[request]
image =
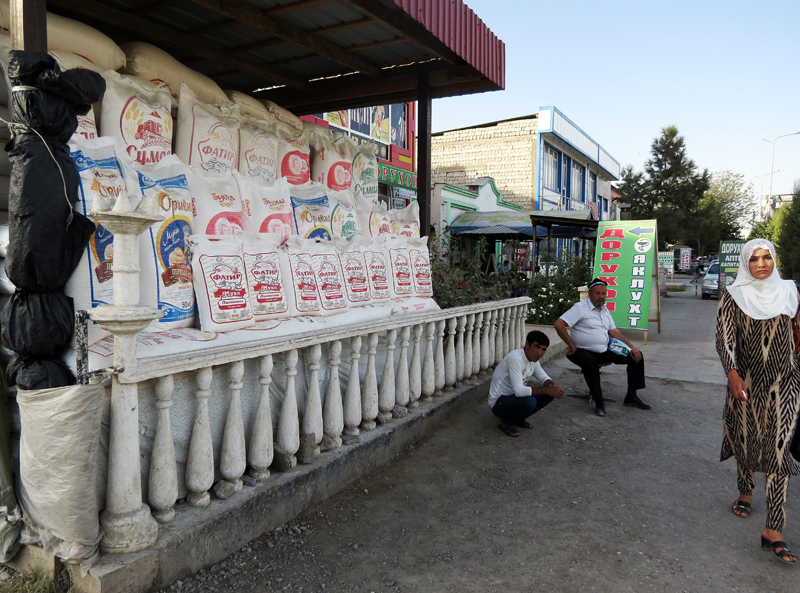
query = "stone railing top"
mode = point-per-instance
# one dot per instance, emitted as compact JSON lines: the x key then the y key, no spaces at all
{"x":151,"y":367}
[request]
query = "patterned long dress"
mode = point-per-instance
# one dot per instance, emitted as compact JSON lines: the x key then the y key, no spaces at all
{"x":758,"y":432}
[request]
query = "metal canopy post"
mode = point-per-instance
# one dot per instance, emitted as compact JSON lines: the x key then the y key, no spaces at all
{"x":424,"y":154}
{"x":29,"y":25}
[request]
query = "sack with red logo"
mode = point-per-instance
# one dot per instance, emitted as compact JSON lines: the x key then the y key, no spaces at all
{"x":299,"y":279}
{"x":294,"y":154}
{"x":311,"y":211}
{"x":375,"y":220}
{"x":329,"y":276}
{"x":266,"y":207}
{"x":165,"y":280}
{"x":354,"y":268}
{"x":420,"y":259}
{"x":208,"y":135}
{"x":345,"y":223}
{"x":258,"y":149}
{"x":378,"y":269}
{"x":101,"y":183}
{"x":137,"y":115}
{"x":405,"y":222}
{"x":216,"y":202}
{"x":223,"y":295}
{"x":264,"y":277}
{"x":365,"y":171}
{"x":332,"y":165}
{"x":401,"y":284}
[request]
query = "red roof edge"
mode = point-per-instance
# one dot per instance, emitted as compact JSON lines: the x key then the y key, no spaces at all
{"x":456,"y":25}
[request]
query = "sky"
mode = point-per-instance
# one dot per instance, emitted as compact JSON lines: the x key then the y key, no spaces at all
{"x":725,"y":72}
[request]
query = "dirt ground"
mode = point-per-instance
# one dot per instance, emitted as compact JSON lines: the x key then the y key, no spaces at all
{"x":636,"y":501}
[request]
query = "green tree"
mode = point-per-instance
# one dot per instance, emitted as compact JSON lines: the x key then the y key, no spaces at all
{"x":763,"y":229}
{"x":787,"y":236}
{"x":725,"y":209}
{"x":670,"y":189}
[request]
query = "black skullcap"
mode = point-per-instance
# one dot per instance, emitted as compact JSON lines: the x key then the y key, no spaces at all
{"x":597,"y":282}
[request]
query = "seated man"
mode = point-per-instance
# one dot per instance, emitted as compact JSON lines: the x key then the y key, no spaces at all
{"x":590,"y":327}
{"x":509,"y":398}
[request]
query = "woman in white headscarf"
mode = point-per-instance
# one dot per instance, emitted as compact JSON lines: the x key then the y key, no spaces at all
{"x":755,"y":344}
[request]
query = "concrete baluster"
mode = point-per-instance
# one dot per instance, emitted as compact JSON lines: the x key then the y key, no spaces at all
{"x":468,"y":341}
{"x":352,"y":397}
{"x":415,"y":371}
{"x":401,"y":383}
{"x":288,"y":438}
{"x":261,"y":453}
{"x":522,"y":312}
{"x":369,"y":391}
{"x":312,"y":417}
{"x":438,"y":363}
{"x":450,"y":355}
{"x":332,"y":413}
{"x":476,"y":345}
{"x":386,"y":394}
{"x":163,"y":484}
{"x":499,"y":343}
{"x":428,"y":371}
{"x":232,"y":460}
{"x":493,"y":319}
{"x":507,"y":346}
{"x":200,"y":461}
{"x":460,"y":325}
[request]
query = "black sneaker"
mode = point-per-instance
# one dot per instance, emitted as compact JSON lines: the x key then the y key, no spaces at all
{"x":635,"y":402}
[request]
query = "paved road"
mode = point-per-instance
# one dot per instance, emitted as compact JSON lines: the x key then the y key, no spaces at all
{"x":636,"y":501}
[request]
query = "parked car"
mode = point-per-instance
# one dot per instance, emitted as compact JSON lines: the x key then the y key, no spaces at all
{"x":710,"y":287}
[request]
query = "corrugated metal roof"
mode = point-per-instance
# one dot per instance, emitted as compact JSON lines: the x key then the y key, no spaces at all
{"x":324,"y":54}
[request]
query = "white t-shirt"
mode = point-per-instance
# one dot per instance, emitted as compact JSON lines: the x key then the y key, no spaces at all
{"x":588,"y":326}
{"x":512,"y":373}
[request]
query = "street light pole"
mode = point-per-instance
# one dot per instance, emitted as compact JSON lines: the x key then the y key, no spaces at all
{"x":772,"y":158}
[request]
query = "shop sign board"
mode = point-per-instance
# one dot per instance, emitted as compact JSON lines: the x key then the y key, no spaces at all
{"x":625,"y":255}
{"x":396,"y":177}
{"x":686,"y":258}
{"x":729,"y":261}
{"x":666,"y":259}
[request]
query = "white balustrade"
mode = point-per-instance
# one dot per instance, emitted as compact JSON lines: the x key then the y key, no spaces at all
{"x":476,"y":345}
{"x":507,"y":347}
{"x":386,"y":394}
{"x":312,"y":418}
{"x":438,"y":361}
{"x":492,"y":338}
{"x":428,"y":373}
{"x":415,"y":370}
{"x":485,"y":334}
{"x":261,"y":453}
{"x":333,"y":413}
{"x":232,"y":461}
{"x":468,"y":341}
{"x":450,"y":369}
{"x":352,"y":397}
{"x":522,"y":312}
{"x":499,"y":343}
{"x":200,"y":462}
{"x":288,"y":439}
{"x":163,"y":484}
{"x":402,"y":387}
{"x":369,"y":391}
{"x":460,"y":325}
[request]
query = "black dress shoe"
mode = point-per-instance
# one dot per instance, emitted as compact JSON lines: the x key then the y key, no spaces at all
{"x":600,"y":408}
{"x":635,"y":402}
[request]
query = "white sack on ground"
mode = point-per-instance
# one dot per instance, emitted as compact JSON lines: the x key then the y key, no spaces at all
{"x":208,"y":135}
{"x":59,"y":461}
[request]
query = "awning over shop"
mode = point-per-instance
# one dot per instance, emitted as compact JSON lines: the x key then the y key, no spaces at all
{"x":517,"y":224}
{"x":311,"y":56}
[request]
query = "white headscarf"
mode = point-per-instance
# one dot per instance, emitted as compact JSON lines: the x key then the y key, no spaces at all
{"x":762,"y":299}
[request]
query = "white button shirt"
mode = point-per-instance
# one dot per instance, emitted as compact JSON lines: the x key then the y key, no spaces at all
{"x":589,"y":326}
{"x":512,"y":373}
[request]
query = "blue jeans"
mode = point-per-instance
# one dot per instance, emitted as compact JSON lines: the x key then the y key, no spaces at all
{"x":514,"y":410}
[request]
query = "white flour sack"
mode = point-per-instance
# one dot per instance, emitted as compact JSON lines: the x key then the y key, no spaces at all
{"x":420,"y":259}
{"x":332,"y":166}
{"x":329,"y":276}
{"x":152,"y":63}
{"x":354,"y":268}
{"x":293,"y":155}
{"x":223,"y":298}
{"x":284,"y":116}
{"x":345,"y":223}
{"x":266,"y":208}
{"x":208,"y":135}
{"x":405,"y":222}
{"x":216,"y":202}
{"x":299,"y":280}
{"x":264,"y":277}
{"x":401,"y":284}
{"x":365,"y":172}
{"x":378,"y":270}
{"x":138,"y":117}
{"x":166,"y":274}
{"x":312,"y":212}
{"x":258,"y":149}
{"x":101,"y":183}
{"x":375,"y":220}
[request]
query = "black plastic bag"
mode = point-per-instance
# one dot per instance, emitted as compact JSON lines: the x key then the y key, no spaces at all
{"x":39,"y":373}
{"x":38,"y":324}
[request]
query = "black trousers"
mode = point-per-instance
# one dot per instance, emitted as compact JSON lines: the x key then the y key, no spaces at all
{"x":590,"y":362}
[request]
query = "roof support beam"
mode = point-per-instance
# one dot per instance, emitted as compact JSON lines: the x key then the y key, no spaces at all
{"x":246,"y":13}
{"x":165,"y":36}
{"x":29,"y":25}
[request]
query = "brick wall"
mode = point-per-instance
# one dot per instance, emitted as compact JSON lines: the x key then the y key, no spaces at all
{"x":505,"y":152}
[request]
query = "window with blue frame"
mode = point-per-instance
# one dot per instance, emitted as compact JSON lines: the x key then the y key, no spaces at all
{"x":550,"y":159}
{"x":577,"y":186}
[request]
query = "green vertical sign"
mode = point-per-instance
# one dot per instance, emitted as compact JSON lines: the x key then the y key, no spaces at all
{"x":626,"y":250}
{"x":729,"y":256}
